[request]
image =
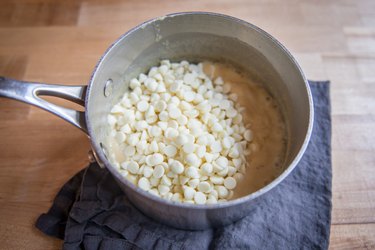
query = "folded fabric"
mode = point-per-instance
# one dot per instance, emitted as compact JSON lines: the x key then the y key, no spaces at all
{"x":91,"y":212}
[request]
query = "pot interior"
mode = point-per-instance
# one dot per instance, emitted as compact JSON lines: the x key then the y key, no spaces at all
{"x":196,"y":37}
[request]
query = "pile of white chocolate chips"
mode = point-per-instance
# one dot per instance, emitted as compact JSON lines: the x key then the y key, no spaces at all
{"x":181,"y":134}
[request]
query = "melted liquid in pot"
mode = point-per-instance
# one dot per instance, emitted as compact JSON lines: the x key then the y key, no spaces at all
{"x":265,"y":163}
{"x":268,"y":146}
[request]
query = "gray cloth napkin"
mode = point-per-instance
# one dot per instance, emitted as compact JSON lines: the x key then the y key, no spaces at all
{"x":91,"y":212}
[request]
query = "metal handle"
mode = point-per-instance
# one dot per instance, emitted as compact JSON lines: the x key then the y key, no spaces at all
{"x":29,"y":92}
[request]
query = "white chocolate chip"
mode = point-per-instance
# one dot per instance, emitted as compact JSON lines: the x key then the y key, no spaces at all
{"x":211,"y":200}
{"x":200,"y":198}
{"x":166,"y":181}
{"x":239,"y":177}
{"x":133,"y":167}
{"x":142,"y":106}
{"x":188,"y":148}
{"x":154,"y":192}
{"x":170,"y":150}
{"x":154,"y":147}
{"x":192,"y":159}
{"x":207,"y":168}
{"x":144,"y":183}
{"x":177,"y":197}
{"x":204,"y":187}
{"x":163,"y":189}
{"x":188,"y":193}
{"x":217,"y":180}
{"x":158,"y":171}
{"x":230,"y":182}
{"x":216,"y":147}
{"x":222,"y":191}
{"x":154,"y":159}
{"x":177,"y":167}
{"x":151,"y":84}
{"x":193,"y":183}
{"x":147,"y":172}
{"x":222,"y":162}
{"x":155,"y":131}
{"x":171,"y":133}
{"x":248,"y":135}
{"x":201,"y":151}
{"x":192,"y":172}
{"x":181,"y":140}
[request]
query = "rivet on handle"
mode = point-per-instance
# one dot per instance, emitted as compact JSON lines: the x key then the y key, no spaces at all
{"x":108,"y":88}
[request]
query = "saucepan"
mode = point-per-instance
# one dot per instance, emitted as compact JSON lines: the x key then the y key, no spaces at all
{"x":192,"y":36}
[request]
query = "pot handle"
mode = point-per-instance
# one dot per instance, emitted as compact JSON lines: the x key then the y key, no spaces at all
{"x":29,"y":92}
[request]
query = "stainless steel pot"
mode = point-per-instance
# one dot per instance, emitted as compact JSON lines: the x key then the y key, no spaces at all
{"x":192,"y":36}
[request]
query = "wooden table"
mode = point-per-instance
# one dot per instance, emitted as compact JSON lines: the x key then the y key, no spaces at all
{"x":60,"y":42}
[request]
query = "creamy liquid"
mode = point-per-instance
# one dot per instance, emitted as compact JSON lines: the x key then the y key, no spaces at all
{"x":265,"y":119}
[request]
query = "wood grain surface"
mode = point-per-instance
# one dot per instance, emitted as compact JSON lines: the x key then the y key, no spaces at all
{"x":60,"y":42}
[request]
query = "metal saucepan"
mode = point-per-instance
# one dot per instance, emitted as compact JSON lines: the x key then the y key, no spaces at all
{"x":192,"y":36}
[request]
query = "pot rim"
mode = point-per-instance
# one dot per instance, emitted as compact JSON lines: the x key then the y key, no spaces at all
{"x":99,"y":152}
